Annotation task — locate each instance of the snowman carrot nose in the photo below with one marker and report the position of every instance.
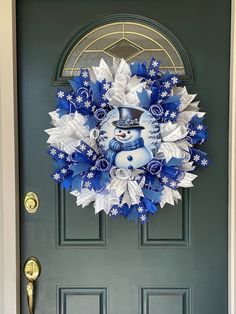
(121, 135)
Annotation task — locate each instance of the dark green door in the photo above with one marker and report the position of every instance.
(177, 263)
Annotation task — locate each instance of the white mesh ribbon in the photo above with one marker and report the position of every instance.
(124, 91)
(69, 130)
(172, 144)
(169, 196)
(102, 72)
(171, 132)
(170, 150)
(124, 88)
(102, 201)
(186, 182)
(185, 97)
(123, 183)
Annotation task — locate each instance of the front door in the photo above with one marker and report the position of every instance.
(93, 264)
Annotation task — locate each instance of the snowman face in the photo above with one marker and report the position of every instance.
(127, 135)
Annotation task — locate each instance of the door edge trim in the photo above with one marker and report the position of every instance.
(232, 169)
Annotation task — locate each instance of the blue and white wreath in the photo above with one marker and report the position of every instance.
(126, 137)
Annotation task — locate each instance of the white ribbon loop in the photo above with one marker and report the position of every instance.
(93, 134)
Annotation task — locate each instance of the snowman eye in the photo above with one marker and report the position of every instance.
(120, 131)
(128, 132)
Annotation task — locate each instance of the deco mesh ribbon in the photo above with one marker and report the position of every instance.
(82, 159)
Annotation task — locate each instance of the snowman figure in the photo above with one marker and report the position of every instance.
(126, 149)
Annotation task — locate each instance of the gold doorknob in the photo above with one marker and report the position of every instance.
(31, 202)
(32, 270)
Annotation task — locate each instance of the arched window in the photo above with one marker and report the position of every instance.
(127, 39)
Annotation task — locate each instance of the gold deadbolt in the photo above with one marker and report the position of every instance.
(31, 202)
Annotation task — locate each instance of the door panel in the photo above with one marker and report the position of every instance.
(93, 233)
(177, 263)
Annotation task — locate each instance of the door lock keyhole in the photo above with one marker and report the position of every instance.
(31, 202)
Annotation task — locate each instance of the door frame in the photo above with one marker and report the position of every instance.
(9, 190)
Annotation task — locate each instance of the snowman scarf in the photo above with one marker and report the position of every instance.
(116, 146)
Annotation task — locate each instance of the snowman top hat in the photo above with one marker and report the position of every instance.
(128, 118)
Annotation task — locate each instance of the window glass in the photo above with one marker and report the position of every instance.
(128, 40)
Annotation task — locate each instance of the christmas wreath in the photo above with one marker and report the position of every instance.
(126, 137)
